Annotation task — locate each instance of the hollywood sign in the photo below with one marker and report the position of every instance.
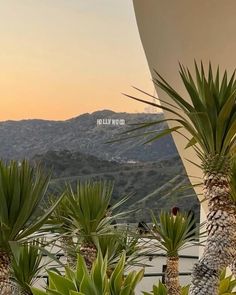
(115, 122)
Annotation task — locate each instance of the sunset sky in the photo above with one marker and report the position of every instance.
(61, 58)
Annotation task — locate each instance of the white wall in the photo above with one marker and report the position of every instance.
(184, 30)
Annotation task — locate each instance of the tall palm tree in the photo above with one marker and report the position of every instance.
(22, 188)
(210, 120)
(173, 233)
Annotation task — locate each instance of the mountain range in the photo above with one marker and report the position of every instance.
(24, 139)
(78, 148)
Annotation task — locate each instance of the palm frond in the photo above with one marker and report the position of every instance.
(22, 189)
(174, 232)
(90, 212)
(208, 113)
(27, 264)
(89, 205)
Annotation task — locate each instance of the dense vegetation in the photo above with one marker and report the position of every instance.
(157, 185)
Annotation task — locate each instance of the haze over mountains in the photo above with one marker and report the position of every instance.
(77, 149)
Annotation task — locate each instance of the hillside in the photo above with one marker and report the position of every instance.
(76, 148)
(24, 139)
(156, 185)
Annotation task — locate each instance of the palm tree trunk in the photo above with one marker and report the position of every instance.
(89, 251)
(68, 248)
(5, 283)
(233, 268)
(172, 276)
(219, 251)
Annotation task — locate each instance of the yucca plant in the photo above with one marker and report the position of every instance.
(208, 115)
(114, 244)
(27, 264)
(22, 188)
(89, 204)
(173, 233)
(227, 284)
(82, 281)
(62, 221)
(160, 289)
(226, 287)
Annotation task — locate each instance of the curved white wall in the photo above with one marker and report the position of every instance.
(184, 30)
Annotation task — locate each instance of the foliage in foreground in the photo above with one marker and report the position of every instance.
(96, 282)
(85, 217)
(26, 265)
(22, 189)
(160, 289)
(227, 285)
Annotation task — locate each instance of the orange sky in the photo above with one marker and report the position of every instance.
(61, 58)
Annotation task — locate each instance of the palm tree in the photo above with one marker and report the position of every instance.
(22, 188)
(227, 285)
(210, 120)
(233, 197)
(89, 212)
(173, 233)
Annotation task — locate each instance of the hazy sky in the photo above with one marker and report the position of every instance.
(61, 58)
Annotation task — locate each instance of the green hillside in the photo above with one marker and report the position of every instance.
(154, 185)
